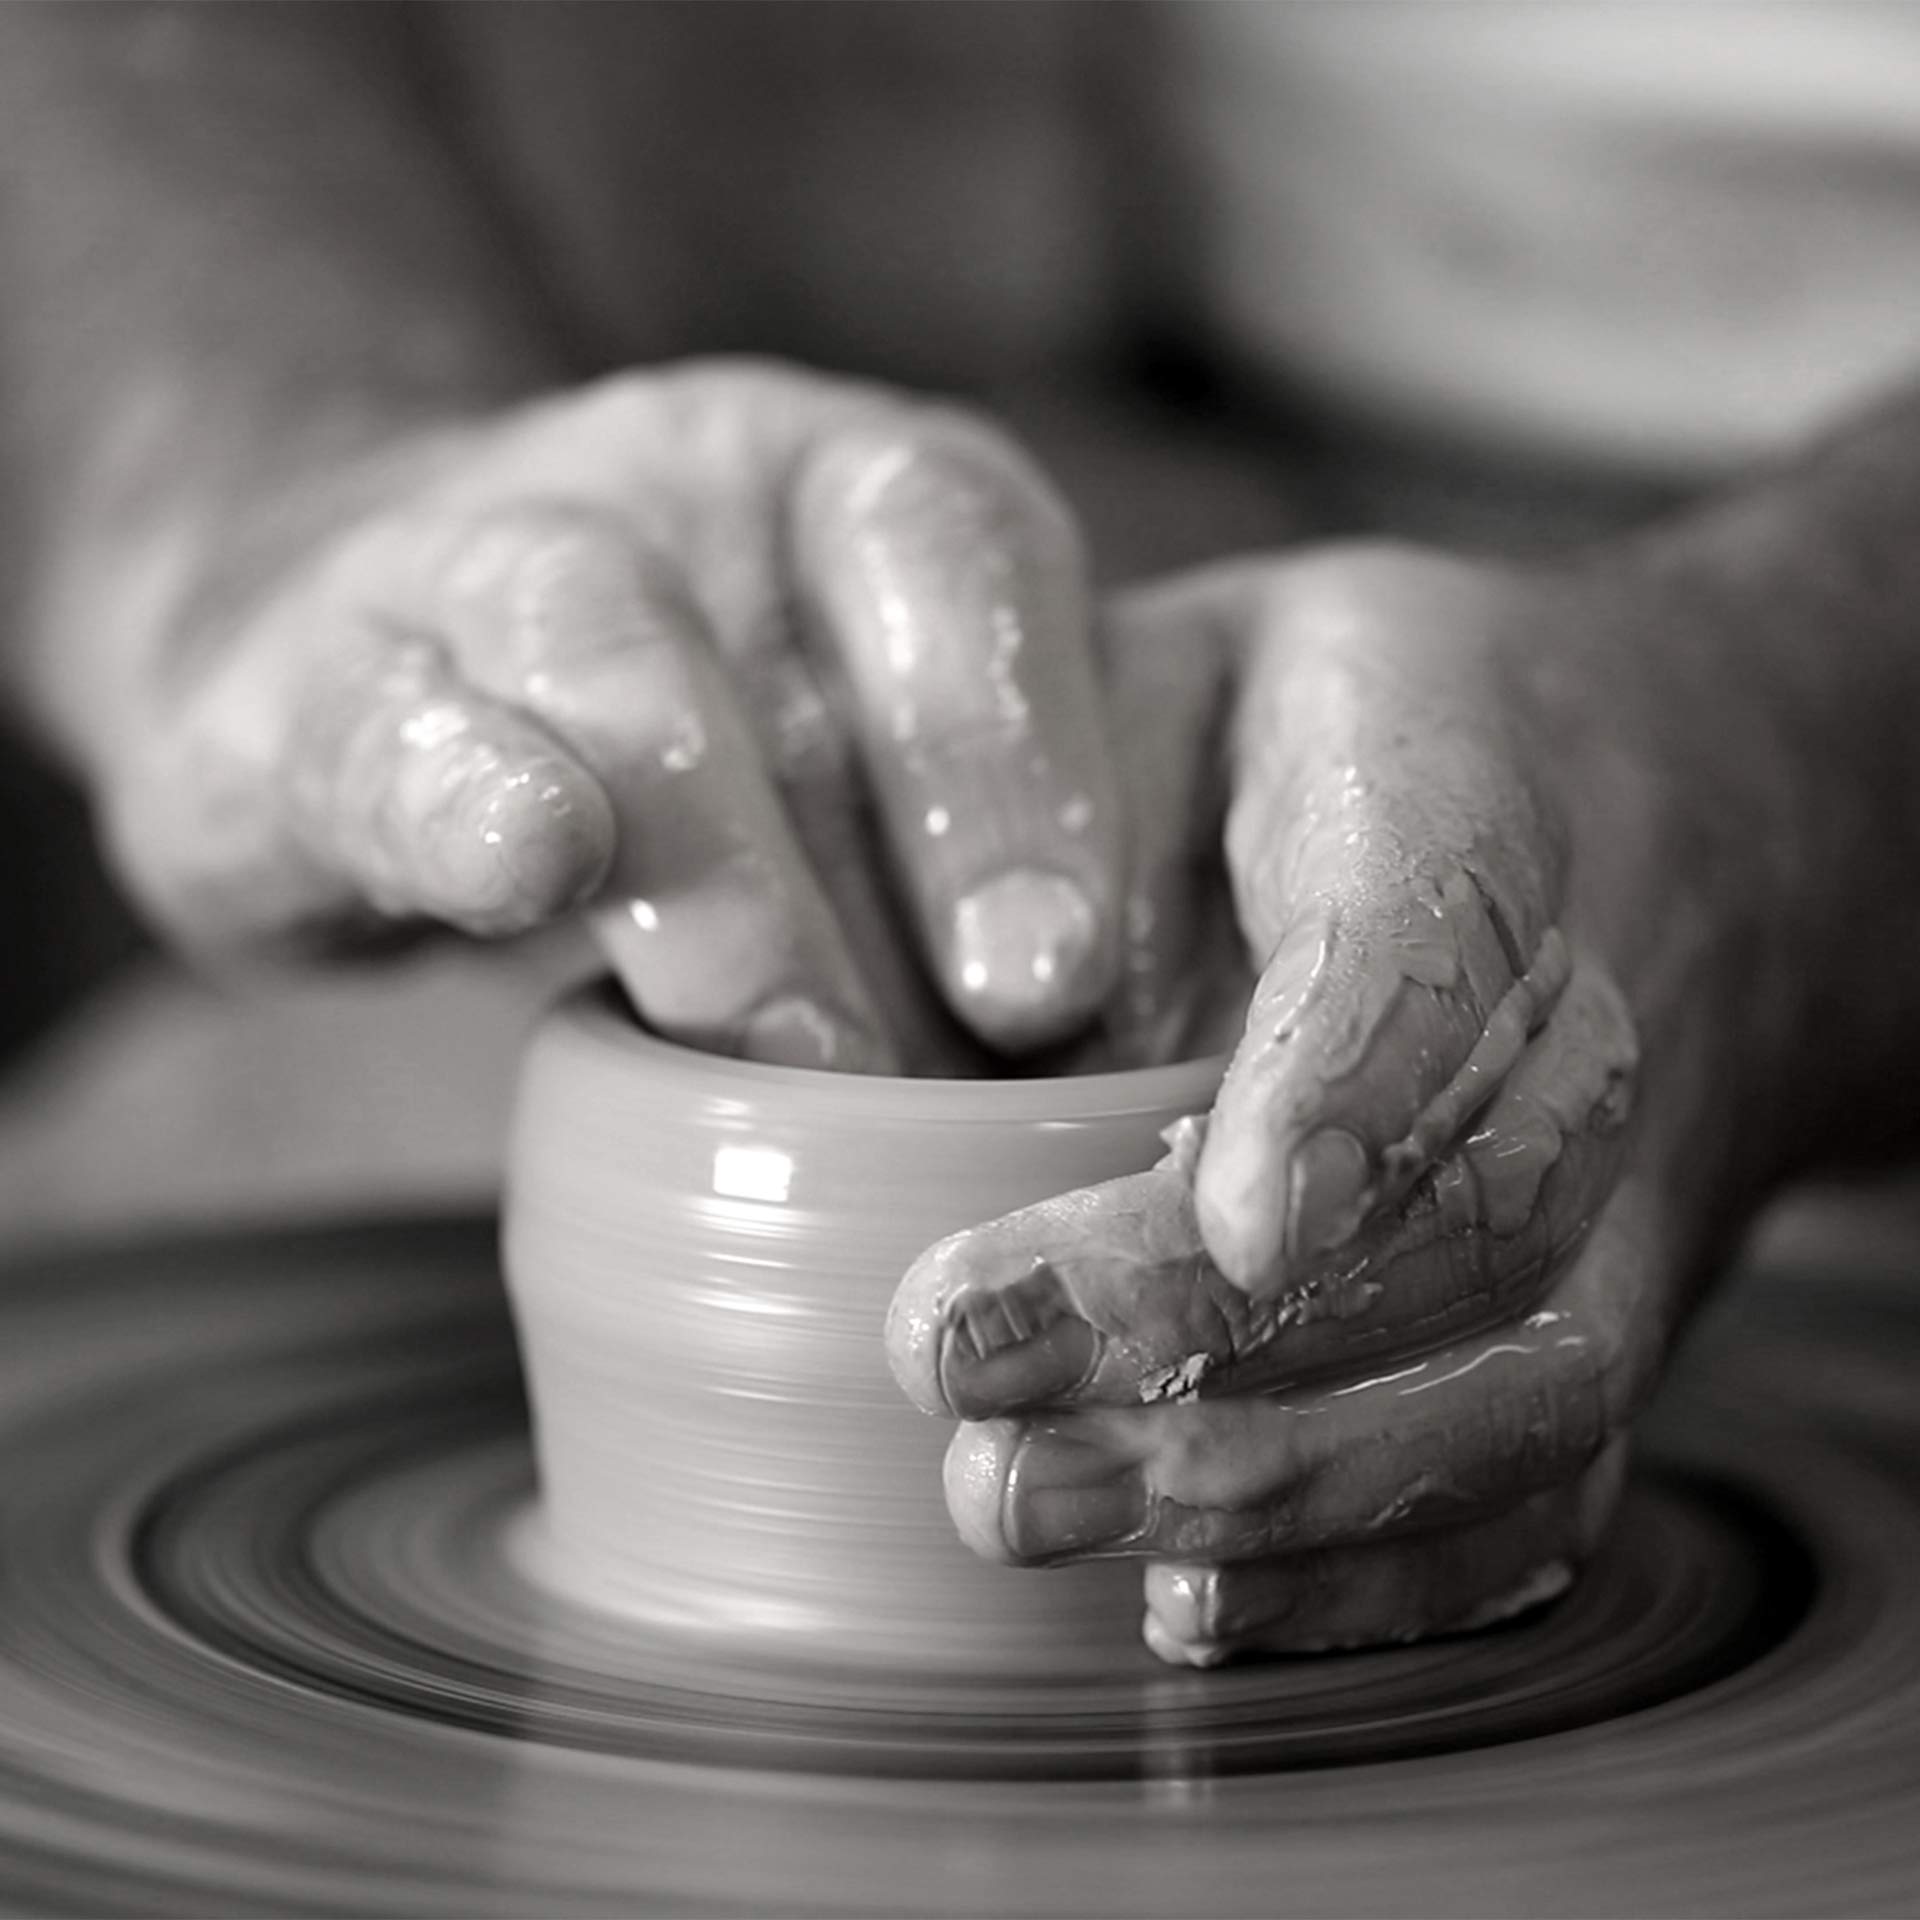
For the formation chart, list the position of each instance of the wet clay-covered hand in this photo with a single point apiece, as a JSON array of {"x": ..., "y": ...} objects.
[
  {"x": 1354, "y": 1363},
  {"x": 646, "y": 646}
]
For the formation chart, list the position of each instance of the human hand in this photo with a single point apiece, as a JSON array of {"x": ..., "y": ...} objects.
[
  {"x": 645, "y": 645},
  {"x": 1355, "y": 1362}
]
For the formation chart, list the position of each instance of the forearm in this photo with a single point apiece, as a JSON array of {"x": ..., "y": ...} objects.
[
  {"x": 1773, "y": 641},
  {"x": 238, "y": 253}
]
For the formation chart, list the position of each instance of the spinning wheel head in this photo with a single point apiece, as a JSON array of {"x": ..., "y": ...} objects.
[{"x": 277, "y": 1639}]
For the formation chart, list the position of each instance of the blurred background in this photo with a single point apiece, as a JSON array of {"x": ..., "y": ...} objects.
[{"x": 1494, "y": 273}]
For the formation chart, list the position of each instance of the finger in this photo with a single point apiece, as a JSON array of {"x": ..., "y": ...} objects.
[
  {"x": 421, "y": 795},
  {"x": 945, "y": 580},
  {"x": 709, "y": 911},
  {"x": 1397, "y": 876},
  {"x": 1108, "y": 1297},
  {"x": 1098, "y": 1296},
  {"x": 1470, "y": 1429},
  {"x": 807, "y": 749},
  {"x": 1447, "y": 1580},
  {"x": 1168, "y": 676}
]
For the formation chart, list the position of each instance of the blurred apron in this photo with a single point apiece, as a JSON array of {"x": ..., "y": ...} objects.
[{"x": 1643, "y": 244}]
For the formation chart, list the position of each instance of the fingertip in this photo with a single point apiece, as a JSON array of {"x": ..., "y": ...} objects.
[
  {"x": 1536, "y": 1588},
  {"x": 978, "y": 1463},
  {"x": 946, "y": 576},
  {"x": 552, "y": 828},
  {"x": 527, "y": 844},
  {"x": 803, "y": 1030},
  {"x": 982, "y": 1327},
  {"x": 1240, "y": 1200},
  {"x": 1184, "y": 1598},
  {"x": 913, "y": 1332},
  {"x": 923, "y": 1321},
  {"x": 1168, "y": 1646},
  {"x": 1028, "y": 957}
]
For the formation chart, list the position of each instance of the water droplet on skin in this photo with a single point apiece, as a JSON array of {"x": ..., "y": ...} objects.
[
  {"x": 433, "y": 726},
  {"x": 1380, "y": 1380},
  {"x": 688, "y": 745}
]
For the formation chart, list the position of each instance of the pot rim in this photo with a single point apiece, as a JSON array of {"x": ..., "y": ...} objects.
[{"x": 595, "y": 1017}]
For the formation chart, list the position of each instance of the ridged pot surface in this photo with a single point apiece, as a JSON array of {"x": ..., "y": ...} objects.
[{"x": 701, "y": 1253}]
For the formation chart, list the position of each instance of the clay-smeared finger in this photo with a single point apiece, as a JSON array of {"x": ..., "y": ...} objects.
[
  {"x": 1103, "y": 1295},
  {"x": 945, "y": 580},
  {"x": 1449, "y": 1438},
  {"x": 1397, "y": 876},
  {"x": 1447, "y": 1580},
  {"x": 430, "y": 798},
  {"x": 709, "y": 911},
  {"x": 1109, "y": 1296}
]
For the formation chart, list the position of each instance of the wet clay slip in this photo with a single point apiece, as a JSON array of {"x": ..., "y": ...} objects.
[{"x": 701, "y": 1252}]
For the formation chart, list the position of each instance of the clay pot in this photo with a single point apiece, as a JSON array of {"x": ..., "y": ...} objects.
[{"x": 700, "y": 1253}]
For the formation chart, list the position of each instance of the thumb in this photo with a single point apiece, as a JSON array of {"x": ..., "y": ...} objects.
[{"x": 1397, "y": 874}]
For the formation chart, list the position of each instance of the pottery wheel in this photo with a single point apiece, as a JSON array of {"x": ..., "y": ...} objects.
[{"x": 275, "y": 1639}]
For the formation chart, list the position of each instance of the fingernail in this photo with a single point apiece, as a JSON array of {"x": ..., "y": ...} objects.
[
  {"x": 514, "y": 848},
  {"x": 1021, "y": 948},
  {"x": 1013, "y": 1348},
  {"x": 553, "y": 836},
  {"x": 794, "y": 1031},
  {"x": 1065, "y": 1498},
  {"x": 1326, "y": 1194}
]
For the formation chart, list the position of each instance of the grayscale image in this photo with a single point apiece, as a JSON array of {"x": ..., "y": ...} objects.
[{"x": 960, "y": 957}]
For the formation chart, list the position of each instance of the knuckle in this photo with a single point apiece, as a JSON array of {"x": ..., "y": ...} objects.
[
  {"x": 1358, "y": 589},
  {"x": 934, "y": 466},
  {"x": 725, "y": 415},
  {"x": 751, "y": 380},
  {"x": 653, "y": 692},
  {"x": 627, "y": 400},
  {"x": 964, "y": 439},
  {"x": 518, "y": 559}
]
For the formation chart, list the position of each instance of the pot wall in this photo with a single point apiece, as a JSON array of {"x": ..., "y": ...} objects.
[{"x": 701, "y": 1253}]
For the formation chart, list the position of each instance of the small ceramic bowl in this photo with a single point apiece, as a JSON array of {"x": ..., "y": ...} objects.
[{"x": 701, "y": 1253}]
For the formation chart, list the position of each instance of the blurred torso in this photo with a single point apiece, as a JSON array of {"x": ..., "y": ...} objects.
[
  {"x": 1557, "y": 235},
  {"x": 1660, "y": 237}
]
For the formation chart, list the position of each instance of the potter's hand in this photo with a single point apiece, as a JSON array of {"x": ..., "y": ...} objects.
[
  {"x": 1352, "y": 1363},
  {"x": 630, "y": 646}
]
